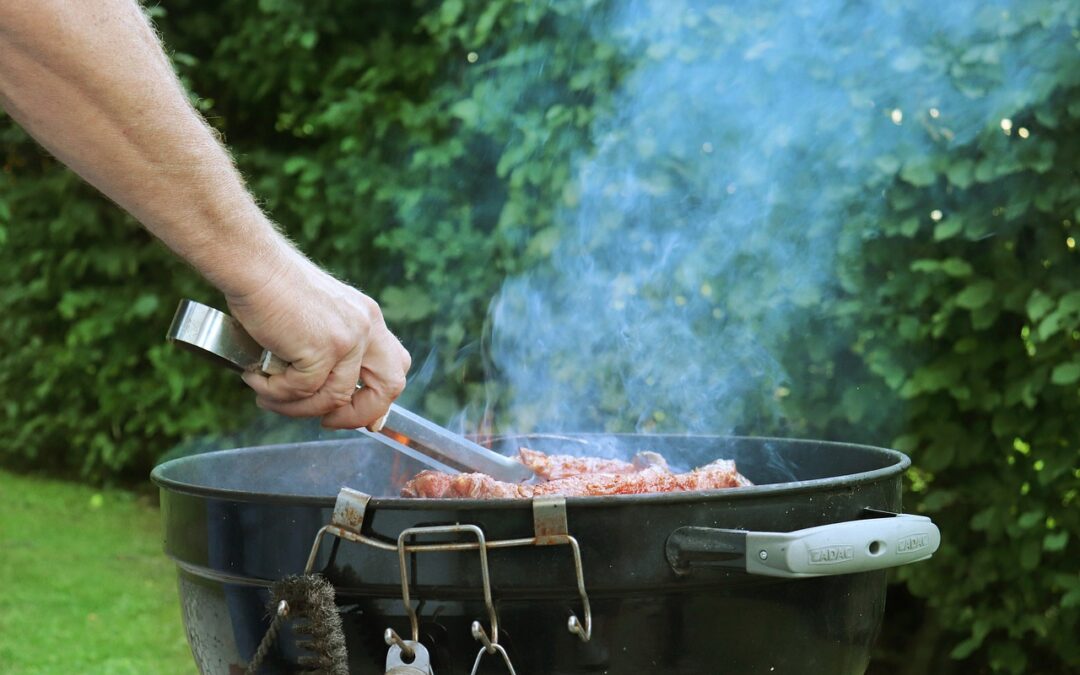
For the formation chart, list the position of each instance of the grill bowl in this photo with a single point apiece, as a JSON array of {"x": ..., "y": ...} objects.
[{"x": 236, "y": 520}]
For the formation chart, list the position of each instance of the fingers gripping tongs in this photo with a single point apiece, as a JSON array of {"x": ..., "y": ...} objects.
[{"x": 216, "y": 335}]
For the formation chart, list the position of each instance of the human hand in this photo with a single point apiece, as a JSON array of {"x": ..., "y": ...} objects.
[{"x": 333, "y": 336}]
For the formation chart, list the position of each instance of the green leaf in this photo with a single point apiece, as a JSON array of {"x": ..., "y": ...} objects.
[
  {"x": 939, "y": 499},
  {"x": 976, "y": 295},
  {"x": 1071, "y": 599},
  {"x": 986, "y": 170},
  {"x": 948, "y": 228},
  {"x": 1030, "y": 519},
  {"x": 1070, "y": 302},
  {"x": 294, "y": 165},
  {"x": 466, "y": 110},
  {"x": 909, "y": 227},
  {"x": 451, "y": 10},
  {"x": 406, "y": 304},
  {"x": 1056, "y": 541},
  {"x": 145, "y": 305},
  {"x": 956, "y": 267},
  {"x": 961, "y": 173},
  {"x": 308, "y": 39},
  {"x": 965, "y": 648},
  {"x": 544, "y": 242},
  {"x": 1039, "y": 304},
  {"x": 486, "y": 21},
  {"x": 938, "y": 457},
  {"x": 1051, "y": 324},
  {"x": 906, "y": 443},
  {"x": 1066, "y": 373},
  {"x": 919, "y": 172}
]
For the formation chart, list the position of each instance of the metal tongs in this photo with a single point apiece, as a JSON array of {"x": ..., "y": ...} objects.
[{"x": 214, "y": 334}]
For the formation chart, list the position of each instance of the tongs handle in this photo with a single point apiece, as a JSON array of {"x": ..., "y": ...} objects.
[
  {"x": 272, "y": 364},
  {"x": 215, "y": 334}
]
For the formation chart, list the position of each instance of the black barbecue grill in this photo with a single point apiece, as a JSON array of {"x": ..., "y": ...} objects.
[{"x": 787, "y": 576}]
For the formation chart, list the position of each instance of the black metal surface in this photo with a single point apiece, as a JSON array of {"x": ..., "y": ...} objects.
[
  {"x": 690, "y": 548},
  {"x": 234, "y": 520}
]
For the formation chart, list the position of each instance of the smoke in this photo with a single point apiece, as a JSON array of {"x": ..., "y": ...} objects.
[
  {"x": 744, "y": 157},
  {"x": 748, "y": 146}
]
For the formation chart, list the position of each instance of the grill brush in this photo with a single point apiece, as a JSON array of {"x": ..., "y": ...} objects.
[{"x": 308, "y": 601}]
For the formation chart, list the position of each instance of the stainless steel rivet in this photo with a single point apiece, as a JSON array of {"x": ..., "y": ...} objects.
[{"x": 763, "y": 554}]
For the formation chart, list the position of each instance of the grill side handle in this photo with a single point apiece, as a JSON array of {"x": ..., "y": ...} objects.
[{"x": 879, "y": 542}]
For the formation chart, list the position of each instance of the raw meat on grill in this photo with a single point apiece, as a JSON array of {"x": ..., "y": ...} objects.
[
  {"x": 719, "y": 474},
  {"x": 463, "y": 485},
  {"x": 554, "y": 467},
  {"x": 578, "y": 476}
]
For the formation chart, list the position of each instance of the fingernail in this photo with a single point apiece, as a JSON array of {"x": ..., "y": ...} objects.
[{"x": 379, "y": 423}]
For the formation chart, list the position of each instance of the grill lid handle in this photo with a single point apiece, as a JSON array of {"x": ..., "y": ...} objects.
[{"x": 878, "y": 542}]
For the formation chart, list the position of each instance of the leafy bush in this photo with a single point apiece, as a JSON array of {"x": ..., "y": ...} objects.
[{"x": 912, "y": 205}]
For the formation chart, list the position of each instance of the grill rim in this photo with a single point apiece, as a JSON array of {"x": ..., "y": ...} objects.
[{"x": 900, "y": 463}]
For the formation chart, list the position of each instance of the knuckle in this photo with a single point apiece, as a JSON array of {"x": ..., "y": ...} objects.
[
  {"x": 372, "y": 309},
  {"x": 394, "y": 386},
  {"x": 341, "y": 342}
]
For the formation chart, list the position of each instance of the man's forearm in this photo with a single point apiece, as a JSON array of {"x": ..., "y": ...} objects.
[{"x": 90, "y": 82}]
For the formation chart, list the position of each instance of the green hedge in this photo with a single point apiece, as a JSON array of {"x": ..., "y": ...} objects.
[{"x": 805, "y": 222}]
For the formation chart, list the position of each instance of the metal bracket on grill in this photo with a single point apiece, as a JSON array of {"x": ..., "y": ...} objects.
[
  {"x": 550, "y": 528},
  {"x": 346, "y": 523},
  {"x": 481, "y": 545}
]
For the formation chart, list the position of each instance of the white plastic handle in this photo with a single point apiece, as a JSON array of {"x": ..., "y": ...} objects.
[{"x": 842, "y": 548}]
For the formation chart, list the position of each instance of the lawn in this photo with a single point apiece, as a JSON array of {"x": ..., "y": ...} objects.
[{"x": 84, "y": 586}]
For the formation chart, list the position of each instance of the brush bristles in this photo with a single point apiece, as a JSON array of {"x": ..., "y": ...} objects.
[{"x": 315, "y": 616}]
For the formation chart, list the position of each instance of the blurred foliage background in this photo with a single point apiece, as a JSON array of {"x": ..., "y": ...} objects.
[{"x": 428, "y": 152}]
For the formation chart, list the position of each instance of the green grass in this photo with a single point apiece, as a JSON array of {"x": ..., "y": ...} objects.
[{"x": 84, "y": 586}]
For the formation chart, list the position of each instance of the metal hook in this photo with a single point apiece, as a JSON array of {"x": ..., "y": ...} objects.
[
  {"x": 480, "y": 634},
  {"x": 574, "y": 625}
]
